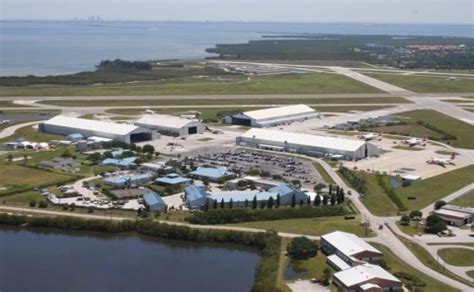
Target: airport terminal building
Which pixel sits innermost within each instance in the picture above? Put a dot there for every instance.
(171, 125)
(272, 116)
(312, 145)
(63, 125)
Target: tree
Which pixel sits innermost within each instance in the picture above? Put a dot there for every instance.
(222, 203)
(66, 154)
(330, 189)
(254, 202)
(293, 201)
(439, 204)
(32, 204)
(318, 187)
(405, 220)
(416, 214)
(72, 207)
(333, 199)
(434, 224)
(43, 204)
(278, 200)
(262, 205)
(246, 203)
(340, 197)
(205, 181)
(148, 149)
(308, 200)
(317, 200)
(302, 248)
(270, 203)
(90, 209)
(206, 205)
(326, 278)
(214, 205)
(325, 200)
(301, 202)
(9, 158)
(231, 203)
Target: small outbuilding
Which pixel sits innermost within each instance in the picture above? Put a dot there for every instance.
(171, 125)
(366, 277)
(195, 197)
(218, 175)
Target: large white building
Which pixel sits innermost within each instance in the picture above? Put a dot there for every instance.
(366, 277)
(313, 145)
(171, 125)
(63, 125)
(272, 116)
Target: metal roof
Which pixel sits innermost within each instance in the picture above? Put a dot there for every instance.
(92, 125)
(338, 262)
(172, 179)
(304, 139)
(363, 273)
(276, 112)
(348, 243)
(167, 121)
(212, 172)
(452, 214)
(153, 198)
(242, 196)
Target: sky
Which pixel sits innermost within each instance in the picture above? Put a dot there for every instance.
(366, 11)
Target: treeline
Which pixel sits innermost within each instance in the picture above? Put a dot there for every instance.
(389, 190)
(225, 216)
(120, 65)
(444, 135)
(359, 183)
(268, 243)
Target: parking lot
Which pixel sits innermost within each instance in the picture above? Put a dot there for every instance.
(241, 161)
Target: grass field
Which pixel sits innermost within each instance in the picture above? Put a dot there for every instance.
(457, 256)
(291, 83)
(461, 130)
(310, 226)
(470, 274)
(426, 84)
(31, 134)
(376, 199)
(412, 229)
(6, 103)
(466, 200)
(397, 265)
(432, 189)
(16, 177)
(326, 177)
(224, 101)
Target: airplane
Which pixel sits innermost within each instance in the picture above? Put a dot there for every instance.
(4, 122)
(443, 161)
(414, 141)
(149, 111)
(369, 136)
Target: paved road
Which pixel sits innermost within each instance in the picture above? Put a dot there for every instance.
(449, 198)
(11, 130)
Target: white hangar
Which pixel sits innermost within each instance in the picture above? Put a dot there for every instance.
(171, 125)
(272, 116)
(312, 145)
(63, 125)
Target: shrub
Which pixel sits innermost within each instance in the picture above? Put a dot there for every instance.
(439, 204)
(302, 248)
(43, 204)
(415, 214)
(434, 224)
(405, 220)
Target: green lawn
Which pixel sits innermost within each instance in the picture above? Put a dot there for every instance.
(432, 189)
(376, 199)
(466, 200)
(310, 226)
(457, 256)
(426, 84)
(16, 177)
(31, 134)
(7, 103)
(396, 265)
(326, 177)
(461, 130)
(412, 229)
(470, 274)
(289, 84)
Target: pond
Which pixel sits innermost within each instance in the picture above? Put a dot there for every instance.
(45, 260)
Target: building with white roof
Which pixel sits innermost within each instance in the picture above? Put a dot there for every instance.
(171, 125)
(63, 125)
(272, 116)
(350, 248)
(366, 277)
(313, 145)
(455, 216)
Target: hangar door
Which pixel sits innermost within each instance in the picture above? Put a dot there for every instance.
(140, 137)
(242, 122)
(192, 130)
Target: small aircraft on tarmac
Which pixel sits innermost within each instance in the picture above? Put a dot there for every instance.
(443, 161)
(149, 111)
(414, 141)
(370, 136)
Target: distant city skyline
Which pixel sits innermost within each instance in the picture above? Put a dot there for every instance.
(362, 11)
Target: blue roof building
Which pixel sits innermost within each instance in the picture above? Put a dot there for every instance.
(195, 197)
(154, 202)
(244, 199)
(172, 179)
(120, 163)
(116, 181)
(122, 181)
(213, 174)
(74, 137)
